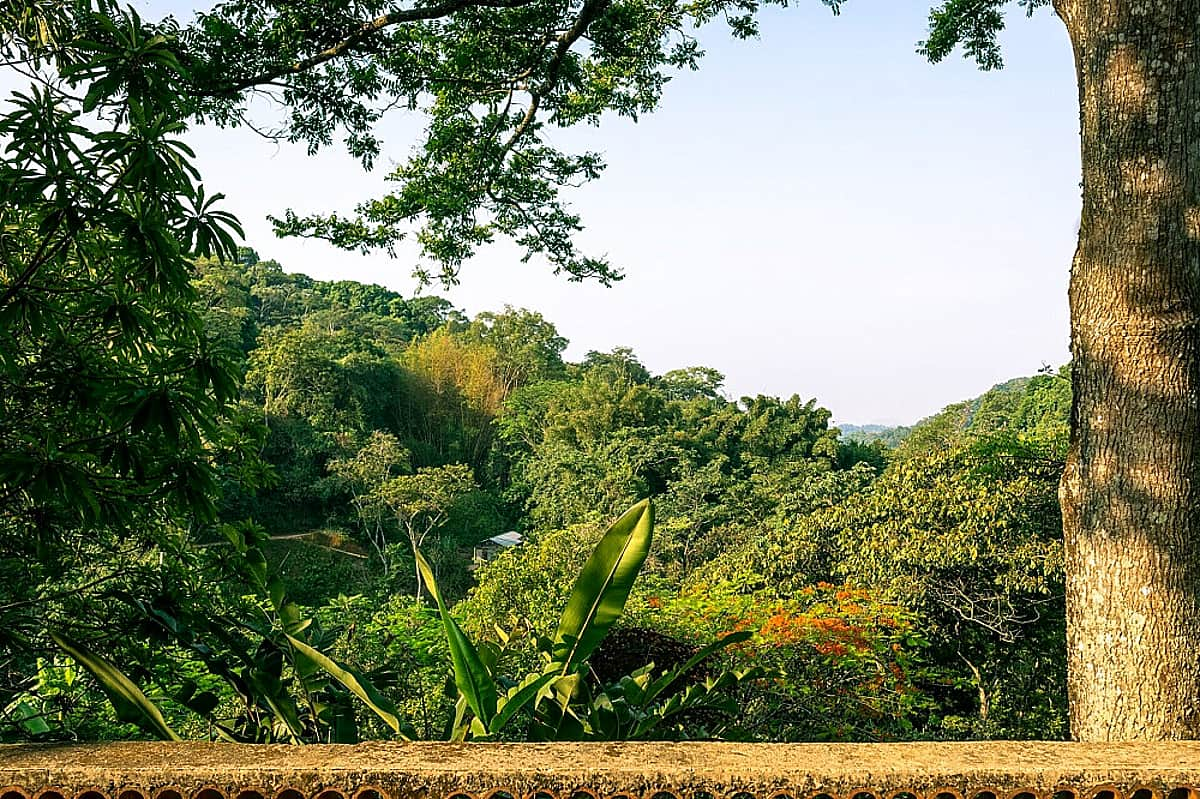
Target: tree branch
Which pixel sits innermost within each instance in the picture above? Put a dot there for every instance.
(587, 15)
(40, 257)
(361, 34)
(61, 594)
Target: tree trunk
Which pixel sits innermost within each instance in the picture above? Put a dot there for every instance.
(1131, 515)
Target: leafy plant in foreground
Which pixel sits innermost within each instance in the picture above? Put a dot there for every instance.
(559, 702)
(280, 685)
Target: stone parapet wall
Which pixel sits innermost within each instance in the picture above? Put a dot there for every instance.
(994, 770)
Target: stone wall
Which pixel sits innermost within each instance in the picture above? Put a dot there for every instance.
(602, 771)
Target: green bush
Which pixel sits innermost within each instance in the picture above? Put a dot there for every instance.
(314, 571)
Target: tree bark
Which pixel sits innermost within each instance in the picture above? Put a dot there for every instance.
(1131, 516)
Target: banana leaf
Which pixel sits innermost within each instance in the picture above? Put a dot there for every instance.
(354, 682)
(603, 587)
(522, 694)
(132, 706)
(667, 680)
(471, 676)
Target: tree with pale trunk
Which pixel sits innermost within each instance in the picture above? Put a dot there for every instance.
(379, 460)
(421, 503)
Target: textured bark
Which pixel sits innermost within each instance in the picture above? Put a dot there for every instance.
(1129, 494)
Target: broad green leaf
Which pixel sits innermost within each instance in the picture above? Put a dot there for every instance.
(281, 704)
(275, 592)
(131, 705)
(204, 704)
(354, 682)
(521, 695)
(470, 675)
(715, 694)
(344, 729)
(29, 718)
(667, 680)
(458, 730)
(603, 587)
(556, 720)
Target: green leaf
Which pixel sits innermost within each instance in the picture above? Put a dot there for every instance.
(473, 679)
(283, 706)
(131, 705)
(715, 694)
(667, 680)
(458, 730)
(521, 695)
(30, 719)
(603, 587)
(204, 704)
(557, 720)
(344, 729)
(356, 683)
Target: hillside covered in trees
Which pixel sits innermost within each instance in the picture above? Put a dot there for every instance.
(880, 586)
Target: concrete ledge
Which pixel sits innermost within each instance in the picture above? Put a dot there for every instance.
(602, 771)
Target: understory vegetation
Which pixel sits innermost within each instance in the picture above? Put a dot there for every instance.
(799, 583)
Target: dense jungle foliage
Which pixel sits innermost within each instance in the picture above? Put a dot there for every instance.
(879, 586)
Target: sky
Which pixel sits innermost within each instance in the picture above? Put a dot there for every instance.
(817, 212)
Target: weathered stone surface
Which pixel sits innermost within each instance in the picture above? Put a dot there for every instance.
(995, 770)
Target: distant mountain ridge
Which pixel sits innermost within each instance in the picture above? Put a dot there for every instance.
(891, 436)
(1038, 403)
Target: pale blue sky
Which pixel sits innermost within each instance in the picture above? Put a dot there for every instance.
(817, 212)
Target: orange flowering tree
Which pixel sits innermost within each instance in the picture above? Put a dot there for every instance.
(850, 662)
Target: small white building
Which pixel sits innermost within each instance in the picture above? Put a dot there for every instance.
(489, 549)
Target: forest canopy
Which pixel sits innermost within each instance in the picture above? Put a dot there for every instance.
(894, 592)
